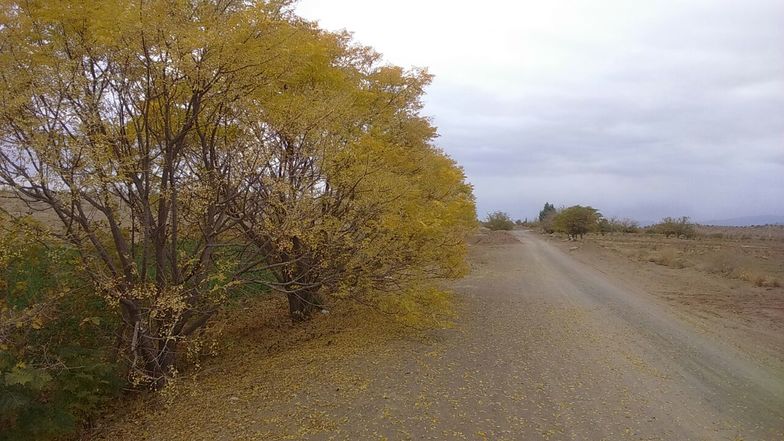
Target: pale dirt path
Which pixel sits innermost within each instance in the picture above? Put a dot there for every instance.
(546, 348)
(549, 348)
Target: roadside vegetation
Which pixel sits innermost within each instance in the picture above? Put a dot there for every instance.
(753, 260)
(680, 227)
(499, 221)
(164, 161)
(577, 221)
(750, 254)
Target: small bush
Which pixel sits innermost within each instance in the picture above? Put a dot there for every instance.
(628, 225)
(757, 278)
(680, 228)
(548, 223)
(55, 365)
(615, 225)
(668, 257)
(723, 262)
(735, 266)
(499, 221)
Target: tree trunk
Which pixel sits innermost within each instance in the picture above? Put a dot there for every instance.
(151, 355)
(301, 305)
(155, 360)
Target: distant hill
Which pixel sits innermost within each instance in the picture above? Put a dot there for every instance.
(746, 221)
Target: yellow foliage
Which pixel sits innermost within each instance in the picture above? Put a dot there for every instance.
(421, 307)
(199, 146)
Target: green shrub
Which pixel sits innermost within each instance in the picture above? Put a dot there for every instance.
(548, 210)
(577, 221)
(615, 225)
(499, 221)
(55, 369)
(680, 227)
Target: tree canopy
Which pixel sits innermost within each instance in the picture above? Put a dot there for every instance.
(548, 210)
(191, 149)
(577, 221)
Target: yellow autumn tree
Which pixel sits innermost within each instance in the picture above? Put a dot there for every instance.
(190, 147)
(356, 198)
(122, 118)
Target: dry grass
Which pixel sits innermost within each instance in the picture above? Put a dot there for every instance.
(668, 256)
(736, 265)
(753, 254)
(708, 277)
(756, 233)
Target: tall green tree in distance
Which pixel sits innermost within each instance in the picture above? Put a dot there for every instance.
(546, 211)
(577, 221)
(546, 216)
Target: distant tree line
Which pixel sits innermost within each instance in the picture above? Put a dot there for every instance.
(577, 221)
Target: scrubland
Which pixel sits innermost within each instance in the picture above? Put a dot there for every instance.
(751, 254)
(726, 280)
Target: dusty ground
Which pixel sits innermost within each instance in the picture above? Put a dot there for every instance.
(712, 282)
(550, 344)
(748, 256)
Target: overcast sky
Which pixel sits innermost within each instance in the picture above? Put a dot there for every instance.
(640, 108)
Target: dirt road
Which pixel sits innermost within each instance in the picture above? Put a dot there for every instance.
(598, 360)
(553, 349)
(546, 348)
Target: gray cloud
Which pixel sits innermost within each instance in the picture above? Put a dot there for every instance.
(643, 109)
